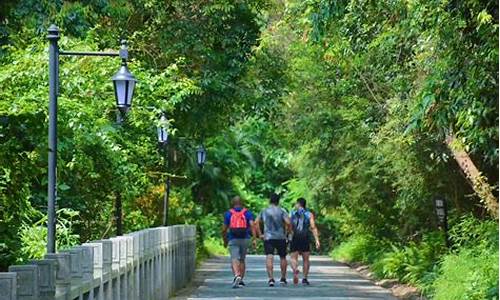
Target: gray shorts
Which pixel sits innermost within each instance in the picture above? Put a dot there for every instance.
(238, 248)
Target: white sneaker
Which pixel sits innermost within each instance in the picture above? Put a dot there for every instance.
(236, 282)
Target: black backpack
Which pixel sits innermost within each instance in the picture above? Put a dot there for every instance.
(300, 225)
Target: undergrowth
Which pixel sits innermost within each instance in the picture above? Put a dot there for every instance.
(468, 270)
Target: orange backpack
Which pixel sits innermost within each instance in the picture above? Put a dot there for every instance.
(238, 224)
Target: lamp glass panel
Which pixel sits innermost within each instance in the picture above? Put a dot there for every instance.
(162, 135)
(130, 92)
(120, 92)
(199, 157)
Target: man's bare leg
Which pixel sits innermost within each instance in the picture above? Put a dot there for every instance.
(294, 260)
(269, 266)
(242, 268)
(235, 265)
(283, 265)
(307, 263)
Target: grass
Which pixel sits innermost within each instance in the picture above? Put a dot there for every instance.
(468, 275)
(358, 248)
(211, 247)
(215, 247)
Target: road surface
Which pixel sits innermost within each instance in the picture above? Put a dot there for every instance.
(329, 281)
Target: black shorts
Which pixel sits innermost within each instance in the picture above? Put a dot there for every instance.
(300, 245)
(278, 245)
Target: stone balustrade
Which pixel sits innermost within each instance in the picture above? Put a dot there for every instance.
(148, 265)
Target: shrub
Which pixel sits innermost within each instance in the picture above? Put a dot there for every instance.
(413, 263)
(214, 246)
(470, 271)
(468, 275)
(34, 237)
(359, 248)
(328, 228)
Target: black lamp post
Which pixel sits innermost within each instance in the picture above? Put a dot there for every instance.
(442, 216)
(124, 83)
(163, 142)
(201, 156)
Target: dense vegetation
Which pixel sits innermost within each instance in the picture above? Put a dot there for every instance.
(346, 102)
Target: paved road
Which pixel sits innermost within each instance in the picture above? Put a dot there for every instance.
(329, 280)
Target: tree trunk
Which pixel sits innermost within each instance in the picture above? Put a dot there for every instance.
(118, 214)
(478, 181)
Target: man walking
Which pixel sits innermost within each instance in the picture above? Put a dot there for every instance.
(275, 220)
(238, 225)
(302, 225)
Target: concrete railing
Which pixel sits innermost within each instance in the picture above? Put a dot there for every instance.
(148, 265)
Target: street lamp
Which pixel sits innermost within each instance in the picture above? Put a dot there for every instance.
(163, 142)
(442, 216)
(124, 83)
(163, 130)
(201, 155)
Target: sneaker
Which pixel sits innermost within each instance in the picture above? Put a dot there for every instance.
(236, 282)
(296, 277)
(271, 282)
(283, 281)
(305, 281)
(242, 283)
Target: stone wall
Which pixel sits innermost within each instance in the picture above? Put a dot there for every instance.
(148, 265)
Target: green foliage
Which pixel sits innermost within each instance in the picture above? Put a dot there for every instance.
(469, 274)
(360, 248)
(215, 246)
(470, 232)
(470, 271)
(412, 263)
(34, 236)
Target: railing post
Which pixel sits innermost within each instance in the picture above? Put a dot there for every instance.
(123, 268)
(107, 268)
(76, 270)
(147, 263)
(169, 259)
(115, 269)
(137, 265)
(8, 282)
(63, 274)
(157, 263)
(142, 264)
(163, 271)
(46, 278)
(130, 266)
(97, 267)
(27, 282)
(87, 268)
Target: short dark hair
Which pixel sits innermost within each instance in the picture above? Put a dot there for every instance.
(302, 202)
(237, 201)
(274, 198)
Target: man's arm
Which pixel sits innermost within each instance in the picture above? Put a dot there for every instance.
(254, 233)
(314, 231)
(288, 223)
(224, 234)
(225, 227)
(256, 227)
